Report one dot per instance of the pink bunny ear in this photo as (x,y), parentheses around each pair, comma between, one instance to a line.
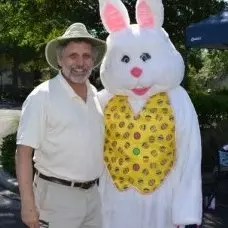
(149,13)
(114,15)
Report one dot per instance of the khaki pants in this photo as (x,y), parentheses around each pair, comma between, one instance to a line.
(67,207)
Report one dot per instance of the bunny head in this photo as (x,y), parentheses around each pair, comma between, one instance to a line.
(140,59)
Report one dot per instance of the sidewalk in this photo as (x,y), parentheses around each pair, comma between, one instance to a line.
(9,210)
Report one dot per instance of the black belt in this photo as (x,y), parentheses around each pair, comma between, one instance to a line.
(84,185)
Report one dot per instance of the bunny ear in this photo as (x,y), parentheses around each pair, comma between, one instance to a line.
(114,15)
(149,13)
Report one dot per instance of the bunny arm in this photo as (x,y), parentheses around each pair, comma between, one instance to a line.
(187,198)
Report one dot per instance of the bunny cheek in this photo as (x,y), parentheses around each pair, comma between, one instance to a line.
(113,79)
(115,74)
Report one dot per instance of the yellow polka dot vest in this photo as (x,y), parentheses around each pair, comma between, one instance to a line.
(139,150)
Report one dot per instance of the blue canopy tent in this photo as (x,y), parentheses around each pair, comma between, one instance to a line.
(209,33)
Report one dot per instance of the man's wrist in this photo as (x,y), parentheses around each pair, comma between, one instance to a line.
(28,201)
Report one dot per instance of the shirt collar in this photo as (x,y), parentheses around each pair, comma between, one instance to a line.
(90,90)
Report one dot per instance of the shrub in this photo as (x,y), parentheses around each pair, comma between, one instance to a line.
(211,108)
(15,95)
(8,149)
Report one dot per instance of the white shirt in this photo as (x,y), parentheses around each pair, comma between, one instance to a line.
(66,132)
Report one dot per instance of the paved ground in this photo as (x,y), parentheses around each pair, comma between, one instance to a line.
(10,213)
(9,210)
(10,202)
(219,217)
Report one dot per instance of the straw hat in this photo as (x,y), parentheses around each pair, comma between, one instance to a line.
(75,31)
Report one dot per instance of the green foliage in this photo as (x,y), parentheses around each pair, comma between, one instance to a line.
(8,149)
(26,26)
(17,96)
(211,108)
(179,13)
(214,67)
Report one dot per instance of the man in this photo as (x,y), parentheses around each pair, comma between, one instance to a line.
(62,123)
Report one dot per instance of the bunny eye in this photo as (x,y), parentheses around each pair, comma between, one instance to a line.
(145,57)
(125,59)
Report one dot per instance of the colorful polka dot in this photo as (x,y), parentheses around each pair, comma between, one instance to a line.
(137,135)
(136,151)
(136,167)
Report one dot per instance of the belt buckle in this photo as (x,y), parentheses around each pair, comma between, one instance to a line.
(85,185)
(72,184)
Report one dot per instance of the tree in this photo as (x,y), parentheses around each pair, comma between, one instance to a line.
(214,69)
(26,26)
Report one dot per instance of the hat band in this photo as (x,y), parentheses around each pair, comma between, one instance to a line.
(69,35)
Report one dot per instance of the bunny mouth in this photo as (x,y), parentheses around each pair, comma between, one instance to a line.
(140,91)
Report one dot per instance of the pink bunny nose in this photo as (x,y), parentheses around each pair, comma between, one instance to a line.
(136,72)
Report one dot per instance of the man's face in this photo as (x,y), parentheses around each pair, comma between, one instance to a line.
(76,61)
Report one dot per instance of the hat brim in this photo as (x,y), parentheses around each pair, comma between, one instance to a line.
(51,56)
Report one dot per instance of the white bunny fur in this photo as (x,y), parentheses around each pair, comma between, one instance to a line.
(178,200)
(165,69)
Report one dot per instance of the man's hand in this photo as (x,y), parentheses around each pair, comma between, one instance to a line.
(30,216)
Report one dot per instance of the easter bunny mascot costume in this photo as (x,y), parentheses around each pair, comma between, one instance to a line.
(152,145)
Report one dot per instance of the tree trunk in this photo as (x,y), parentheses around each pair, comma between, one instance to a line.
(37,77)
(15,70)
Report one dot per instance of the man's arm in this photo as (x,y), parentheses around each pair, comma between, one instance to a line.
(29,136)
(24,171)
